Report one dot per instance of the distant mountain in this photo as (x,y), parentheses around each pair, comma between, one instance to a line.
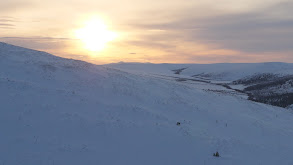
(56,111)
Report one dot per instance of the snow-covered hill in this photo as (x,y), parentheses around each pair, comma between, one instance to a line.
(222,71)
(269,83)
(56,111)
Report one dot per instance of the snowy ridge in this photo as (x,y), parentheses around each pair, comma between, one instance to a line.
(221,71)
(56,111)
(269,83)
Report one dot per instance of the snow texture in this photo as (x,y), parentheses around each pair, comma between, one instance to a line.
(56,111)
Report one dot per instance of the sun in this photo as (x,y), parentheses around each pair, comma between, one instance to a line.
(95,35)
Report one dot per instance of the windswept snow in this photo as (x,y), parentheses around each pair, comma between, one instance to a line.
(56,111)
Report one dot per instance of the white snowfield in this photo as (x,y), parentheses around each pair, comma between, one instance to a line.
(221,71)
(56,111)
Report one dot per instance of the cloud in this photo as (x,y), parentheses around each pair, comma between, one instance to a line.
(13,5)
(7,23)
(188,30)
(248,33)
(266,30)
(6,26)
(39,43)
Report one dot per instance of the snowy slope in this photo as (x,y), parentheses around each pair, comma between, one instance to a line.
(222,71)
(56,111)
(147,68)
(271,82)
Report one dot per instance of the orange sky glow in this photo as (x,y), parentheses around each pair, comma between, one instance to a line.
(167,31)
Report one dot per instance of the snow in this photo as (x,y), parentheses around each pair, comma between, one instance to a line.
(238,86)
(223,71)
(146,68)
(56,111)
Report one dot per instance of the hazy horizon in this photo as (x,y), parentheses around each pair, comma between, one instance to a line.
(152,31)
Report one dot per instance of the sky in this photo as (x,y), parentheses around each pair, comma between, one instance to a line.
(156,31)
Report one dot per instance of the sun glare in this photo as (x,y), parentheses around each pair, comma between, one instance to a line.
(95,35)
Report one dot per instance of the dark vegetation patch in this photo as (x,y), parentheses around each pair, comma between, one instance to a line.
(275,83)
(280,100)
(269,88)
(256,79)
